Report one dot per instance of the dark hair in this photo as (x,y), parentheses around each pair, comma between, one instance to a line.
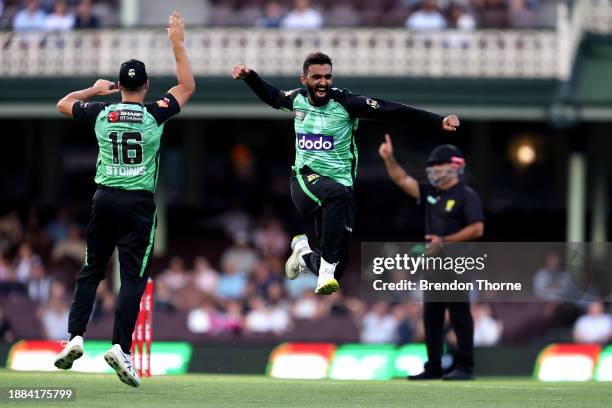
(315,58)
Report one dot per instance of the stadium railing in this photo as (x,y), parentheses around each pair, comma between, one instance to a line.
(599,19)
(356,52)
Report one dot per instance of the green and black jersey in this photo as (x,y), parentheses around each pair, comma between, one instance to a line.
(128,136)
(325,135)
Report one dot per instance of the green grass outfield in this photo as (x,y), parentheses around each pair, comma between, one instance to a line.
(193,390)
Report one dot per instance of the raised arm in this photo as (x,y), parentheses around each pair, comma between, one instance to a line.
(101,87)
(396,172)
(184,75)
(380,109)
(268,93)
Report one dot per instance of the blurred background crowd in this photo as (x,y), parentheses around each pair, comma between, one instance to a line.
(235,289)
(419,15)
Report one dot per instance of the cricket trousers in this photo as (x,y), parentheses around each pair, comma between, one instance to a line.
(125,220)
(463,325)
(333,207)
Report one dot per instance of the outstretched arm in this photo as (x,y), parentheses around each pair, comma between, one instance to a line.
(268,93)
(396,172)
(380,109)
(184,75)
(101,87)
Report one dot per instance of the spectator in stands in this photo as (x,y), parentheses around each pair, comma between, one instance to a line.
(487,330)
(551,282)
(460,18)
(6,330)
(54,315)
(595,326)
(57,228)
(11,231)
(203,319)
(378,326)
(264,319)
(4,266)
(302,17)
(271,239)
(163,297)
(104,304)
(10,284)
(492,13)
(426,18)
(32,18)
(296,287)
(39,285)
(84,16)
(232,282)
(307,306)
(261,278)
(273,15)
(174,278)
(24,261)
(405,331)
(72,247)
(59,19)
(241,254)
(205,277)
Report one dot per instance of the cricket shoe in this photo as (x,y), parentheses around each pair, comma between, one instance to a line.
(326,283)
(122,364)
(295,264)
(73,350)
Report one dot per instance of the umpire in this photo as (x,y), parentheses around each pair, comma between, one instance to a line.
(453,213)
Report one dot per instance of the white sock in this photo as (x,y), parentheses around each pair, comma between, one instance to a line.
(326,269)
(303,249)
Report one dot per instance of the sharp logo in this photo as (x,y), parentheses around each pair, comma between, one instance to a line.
(315,142)
(125,116)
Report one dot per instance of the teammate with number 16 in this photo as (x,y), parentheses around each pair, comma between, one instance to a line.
(123,213)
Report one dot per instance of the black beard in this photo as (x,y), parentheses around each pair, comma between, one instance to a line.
(317,100)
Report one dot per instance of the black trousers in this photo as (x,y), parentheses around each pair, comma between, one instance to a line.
(126,220)
(333,206)
(463,325)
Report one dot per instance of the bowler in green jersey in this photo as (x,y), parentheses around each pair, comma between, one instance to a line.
(325,121)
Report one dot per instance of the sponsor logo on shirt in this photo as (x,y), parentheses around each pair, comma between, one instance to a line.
(299,114)
(449,205)
(315,142)
(129,116)
(372,103)
(163,102)
(312,177)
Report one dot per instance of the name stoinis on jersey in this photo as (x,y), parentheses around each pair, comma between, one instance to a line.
(124,171)
(124,115)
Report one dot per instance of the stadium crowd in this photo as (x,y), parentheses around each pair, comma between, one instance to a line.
(418,15)
(242,294)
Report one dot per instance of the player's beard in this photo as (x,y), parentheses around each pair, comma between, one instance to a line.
(319,100)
